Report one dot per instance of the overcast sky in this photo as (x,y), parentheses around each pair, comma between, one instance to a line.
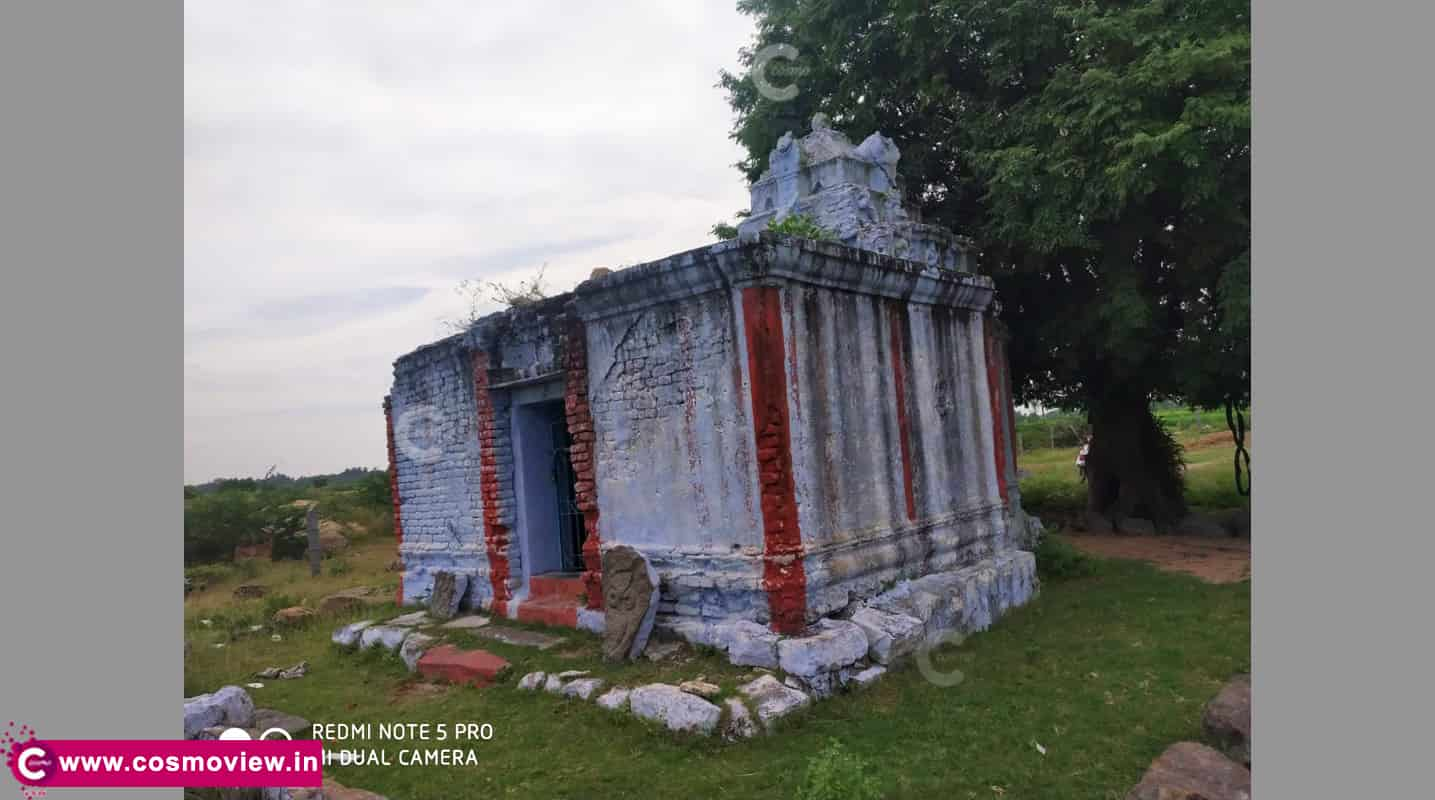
(347,164)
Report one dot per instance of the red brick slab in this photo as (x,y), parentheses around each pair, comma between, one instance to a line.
(468,667)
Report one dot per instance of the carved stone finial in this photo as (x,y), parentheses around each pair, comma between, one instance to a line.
(821,122)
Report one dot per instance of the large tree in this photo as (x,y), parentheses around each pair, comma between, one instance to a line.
(1099,151)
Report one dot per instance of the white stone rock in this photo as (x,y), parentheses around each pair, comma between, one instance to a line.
(411,620)
(553,685)
(348,636)
(701,688)
(739,724)
(833,645)
(467,623)
(583,688)
(228,707)
(573,673)
(748,643)
(532,681)
(673,707)
(592,621)
(868,676)
(615,699)
(385,636)
(889,636)
(772,699)
(414,647)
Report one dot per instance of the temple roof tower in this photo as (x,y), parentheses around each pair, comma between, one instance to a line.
(853,191)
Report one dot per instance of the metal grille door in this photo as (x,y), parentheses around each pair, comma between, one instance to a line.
(570,519)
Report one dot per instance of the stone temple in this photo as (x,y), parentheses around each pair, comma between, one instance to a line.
(783,427)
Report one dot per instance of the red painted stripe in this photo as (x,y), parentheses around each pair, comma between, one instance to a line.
(495,533)
(783,575)
(580,455)
(897,314)
(394,488)
(994,392)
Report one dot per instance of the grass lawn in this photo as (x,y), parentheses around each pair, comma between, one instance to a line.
(1052,483)
(1103,671)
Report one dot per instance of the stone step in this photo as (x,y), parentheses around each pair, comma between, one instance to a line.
(556,611)
(565,585)
(466,667)
(517,636)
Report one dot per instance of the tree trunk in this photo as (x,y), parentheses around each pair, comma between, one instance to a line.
(1134,467)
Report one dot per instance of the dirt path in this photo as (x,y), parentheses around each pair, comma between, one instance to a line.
(1211,560)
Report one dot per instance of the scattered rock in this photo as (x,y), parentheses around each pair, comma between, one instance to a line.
(385,636)
(351,600)
(266,719)
(397,565)
(411,620)
(889,636)
(249,591)
(630,602)
(583,688)
(673,707)
(660,651)
(229,707)
(531,682)
(297,671)
(348,636)
(867,677)
(1227,718)
(448,591)
(553,685)
(572,673)
(467,623)
(615,699)
(413,648)
(739,723)
(830,646)
(470,667)
(1190,770)
(1136,526)
(773,700)
(293,615)
(701,688)
(331,537)
(1201,525)
(748,644)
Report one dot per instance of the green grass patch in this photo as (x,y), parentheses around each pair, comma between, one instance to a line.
(1103,670)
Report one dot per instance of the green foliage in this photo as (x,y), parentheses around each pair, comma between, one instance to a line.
(373,489)
(338,567)
(801,225)
(835,774)
(1056,559)
(216,523)
(722,231)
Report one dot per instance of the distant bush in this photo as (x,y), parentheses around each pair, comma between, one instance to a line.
(1056,559)
(835,774)
(373,489)
(216,523)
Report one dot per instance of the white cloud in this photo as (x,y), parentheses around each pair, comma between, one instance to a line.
(348,163)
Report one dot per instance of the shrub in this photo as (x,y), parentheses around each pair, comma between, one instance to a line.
(339,567)
(835,774)
(801,225)
(1056,559)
